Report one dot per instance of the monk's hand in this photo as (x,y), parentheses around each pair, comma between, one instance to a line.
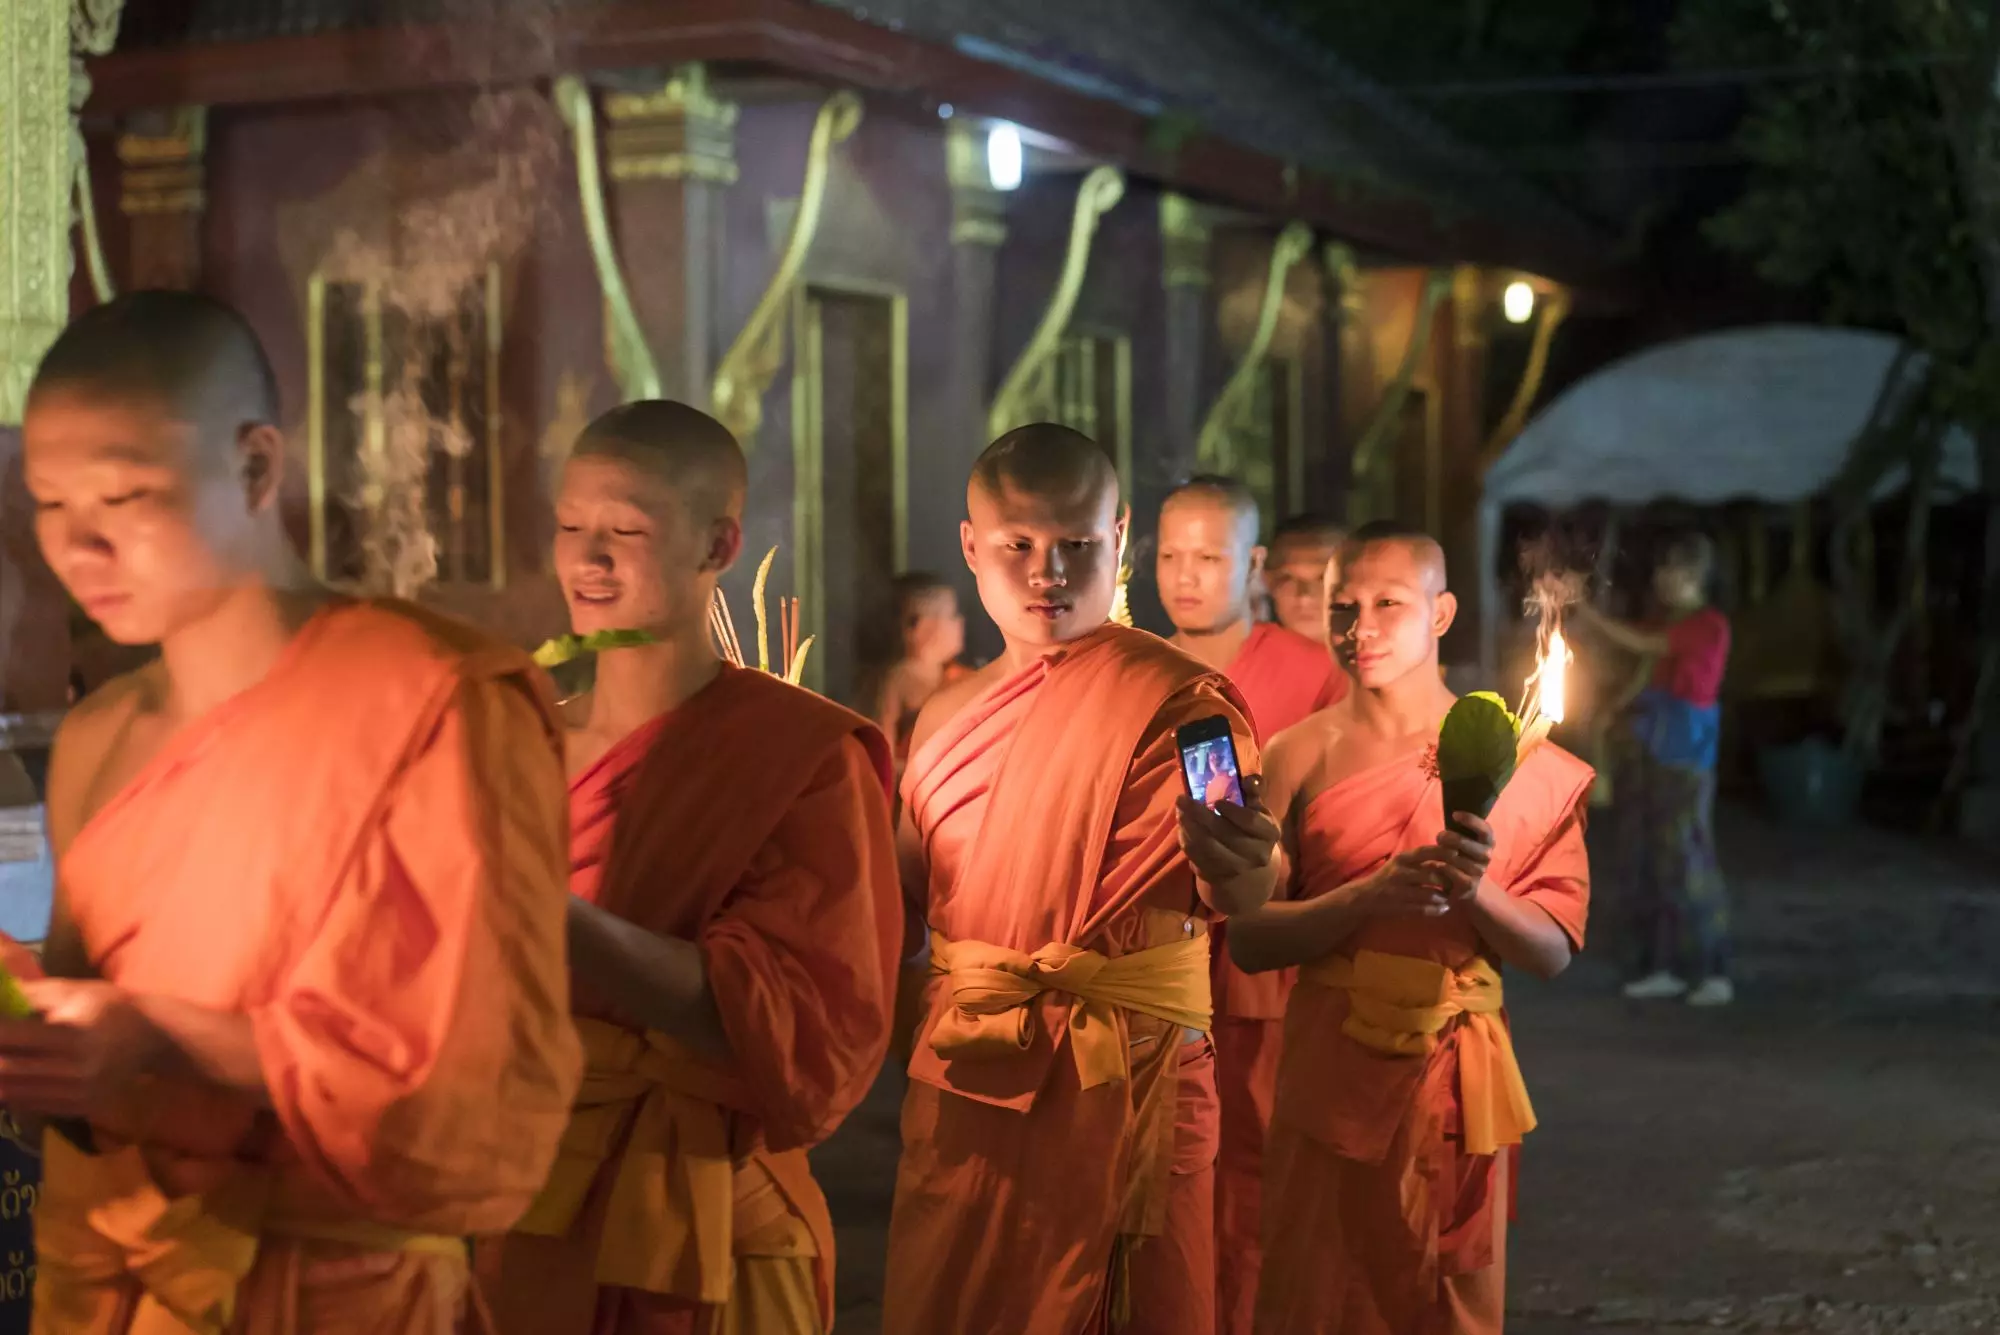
(86,1045)
(1406,884)
(1233,848)
(1463,854)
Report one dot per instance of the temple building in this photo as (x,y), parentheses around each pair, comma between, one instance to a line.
(867,236)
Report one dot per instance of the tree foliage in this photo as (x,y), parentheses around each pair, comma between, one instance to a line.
(1861,148)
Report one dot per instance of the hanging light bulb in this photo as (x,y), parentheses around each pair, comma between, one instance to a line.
(1518,302)
(1003,156)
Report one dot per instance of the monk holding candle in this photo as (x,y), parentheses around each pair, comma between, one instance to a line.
(306,1025)
(1059,1134)
(734,926)
(1208,566)
(1400,1107)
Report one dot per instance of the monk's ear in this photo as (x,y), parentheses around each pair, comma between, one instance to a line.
(260,465)
(967,546)
(1258,556)
(725,544)
(1444,611)
(1123,526)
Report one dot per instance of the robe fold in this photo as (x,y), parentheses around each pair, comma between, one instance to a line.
(753,821)
(363,854)
(1039,1194)
(1386,1189)
(1284,678)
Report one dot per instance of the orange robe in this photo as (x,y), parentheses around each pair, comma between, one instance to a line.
(1379,1219)
(363,854)
(1284,678)
(1046,812)
(753,821)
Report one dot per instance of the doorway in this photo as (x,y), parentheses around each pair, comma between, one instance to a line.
(850,497)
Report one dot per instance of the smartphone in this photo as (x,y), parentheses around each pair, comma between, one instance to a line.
(1208,761)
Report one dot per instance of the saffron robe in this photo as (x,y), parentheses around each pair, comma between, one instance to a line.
(754,821)
(363,854)
(1046,811)
(1378,1220)
(1284,678)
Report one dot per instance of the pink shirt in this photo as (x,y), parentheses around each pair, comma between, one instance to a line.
(1697,653)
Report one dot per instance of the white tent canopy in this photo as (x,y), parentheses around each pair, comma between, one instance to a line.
(1766,413)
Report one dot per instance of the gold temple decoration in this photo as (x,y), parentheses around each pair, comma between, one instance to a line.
(632,361)
(752,361)
(1468,301)
(42,83)
(1026,394)
(1345,270)
(1121,599)
(978,211)
(93,29)
(1549,314)
(1368,449)
(1216,446)
(163,169)
(678,132)
(1184,240)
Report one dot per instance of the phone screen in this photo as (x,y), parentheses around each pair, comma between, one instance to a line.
(1209,765)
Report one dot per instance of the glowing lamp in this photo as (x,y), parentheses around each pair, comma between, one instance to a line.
(1518,302)
(1003,156)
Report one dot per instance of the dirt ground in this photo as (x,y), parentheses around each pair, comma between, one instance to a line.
(1823,1158)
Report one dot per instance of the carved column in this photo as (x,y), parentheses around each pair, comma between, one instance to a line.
(1461,381)
(42,82)
(35,184)
(1184,248)
(162,194)
(671,154)
(978,229)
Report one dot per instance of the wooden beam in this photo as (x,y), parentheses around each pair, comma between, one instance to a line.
(833,47)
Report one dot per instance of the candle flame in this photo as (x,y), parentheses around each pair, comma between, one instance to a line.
(1552,671)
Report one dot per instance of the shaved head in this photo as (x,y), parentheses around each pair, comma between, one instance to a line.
(1308,530)
(1227,492)
(1387,606)
(691,452)
(151,446)
(1422,547)
(1049,461)
(189,354)
(1041,536)
(649,516)
(1206,558)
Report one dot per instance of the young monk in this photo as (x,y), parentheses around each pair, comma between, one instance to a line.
(307,994)
(1295,573)
(931,637)
(734,926)
(1208,568)
(1400,1107)
(1059,1132)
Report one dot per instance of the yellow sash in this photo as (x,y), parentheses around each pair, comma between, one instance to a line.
(991,987)
(107,1219)
(1398,1005)
(680,1203)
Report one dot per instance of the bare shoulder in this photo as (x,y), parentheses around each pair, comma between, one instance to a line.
(1298,759)
(86,743)
(948,699)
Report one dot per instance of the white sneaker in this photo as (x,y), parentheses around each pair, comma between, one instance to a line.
(1713,992)
(1661,986)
